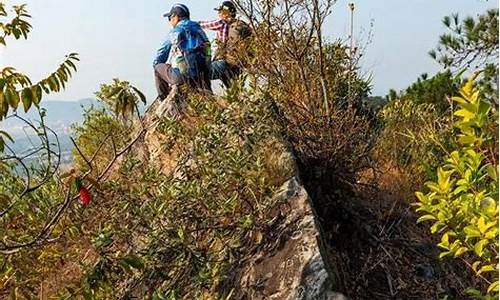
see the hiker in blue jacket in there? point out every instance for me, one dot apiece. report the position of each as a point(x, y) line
point(184, 57)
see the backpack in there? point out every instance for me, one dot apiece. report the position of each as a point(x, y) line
point(238, 35)
point(195, 49)
point(238, 30)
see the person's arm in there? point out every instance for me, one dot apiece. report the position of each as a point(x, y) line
point(163, 52)
point(212, 25)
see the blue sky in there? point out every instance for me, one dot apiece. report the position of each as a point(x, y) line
point(118, 38)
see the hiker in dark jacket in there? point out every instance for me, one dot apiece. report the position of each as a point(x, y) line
point(230, 32)
point(184, 56)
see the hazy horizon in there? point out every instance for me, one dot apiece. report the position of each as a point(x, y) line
point(119, 38)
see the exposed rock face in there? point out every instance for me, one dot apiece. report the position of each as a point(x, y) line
point(290, 266)
point(150, 148)
point(295, 270)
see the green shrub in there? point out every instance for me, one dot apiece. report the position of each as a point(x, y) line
point(121, 98)
point(436, 90)
point(178, 226)
point(415, 137)
point(462, 203)
point(97, 133)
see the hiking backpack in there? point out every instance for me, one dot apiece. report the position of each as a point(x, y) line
point(195, 50)
point(238, 35)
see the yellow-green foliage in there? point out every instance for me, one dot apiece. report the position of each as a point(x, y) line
point(463, 203)
point(415, 136)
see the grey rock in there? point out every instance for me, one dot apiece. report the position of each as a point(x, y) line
point(294, 271)
point(173, 105)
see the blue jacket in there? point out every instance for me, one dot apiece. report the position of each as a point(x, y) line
point(186, 48)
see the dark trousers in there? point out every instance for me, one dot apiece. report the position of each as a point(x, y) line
point(166, 76)
point(226, 72)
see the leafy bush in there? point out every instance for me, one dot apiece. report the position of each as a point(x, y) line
point(436, 90)
point(97, 134)
point(417, 130)
point(32, 196)
point(180, 224)
point(315, 85)
point(462, 203)
point(415, 137)
point(121, 98)
point(16, 88)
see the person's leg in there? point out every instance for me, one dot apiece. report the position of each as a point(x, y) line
point(217, 69)
point(166, 76)
point(231, 73)
point(222, 70)
point(162, 86)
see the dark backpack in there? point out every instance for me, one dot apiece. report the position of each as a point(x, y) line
point(238, 35)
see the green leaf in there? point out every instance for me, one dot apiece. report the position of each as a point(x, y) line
point(472, 231)
point(483, 226)
point(71, 64)
point(492, 234)
point(461, 251)
point(444, 179)
point(493, 287)
point(467, 139)
point(27, 98)
point(6, 135)
point(487, 268)
point(469, 107)
point(445, 243)
point(460, 189)
point(475, 293)
point(140, 94)
point(426, 218)
point(492, 172)
point(474, 97)
point(52, 84)
point(12, 98)
point(433, 187)
point(37, 94)
point(421, 197)
point(467, 115)
point(459, 100)
point(484, 108)
point(436, 227)
point(475, 265)
point(134, 261)
point(479, 247)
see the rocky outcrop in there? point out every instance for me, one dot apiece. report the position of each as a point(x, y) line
point(286, 266)
point(295, 270)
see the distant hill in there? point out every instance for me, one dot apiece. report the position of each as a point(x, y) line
point(60, 116)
